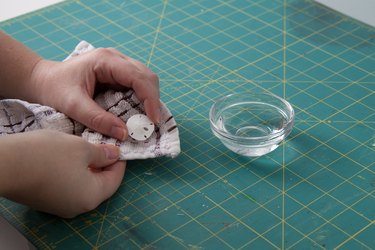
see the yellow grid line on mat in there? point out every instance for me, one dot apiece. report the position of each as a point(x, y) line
point(215, 78)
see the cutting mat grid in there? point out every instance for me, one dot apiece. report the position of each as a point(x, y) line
point(315, 192)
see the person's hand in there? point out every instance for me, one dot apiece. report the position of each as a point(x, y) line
point(58, 173)
point(69, 87)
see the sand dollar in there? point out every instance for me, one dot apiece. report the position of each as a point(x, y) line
point(140, 127)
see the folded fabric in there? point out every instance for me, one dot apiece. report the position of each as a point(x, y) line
point(163, 141)
point(17, 116)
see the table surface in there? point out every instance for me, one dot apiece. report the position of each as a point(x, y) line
point(14, 8)
point(316, 191)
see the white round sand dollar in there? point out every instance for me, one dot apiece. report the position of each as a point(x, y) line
point(140, 127)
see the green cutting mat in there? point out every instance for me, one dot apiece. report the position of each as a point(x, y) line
point(314, 192)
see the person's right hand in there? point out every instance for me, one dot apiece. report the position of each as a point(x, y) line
point(58, 173)
point(69, 87)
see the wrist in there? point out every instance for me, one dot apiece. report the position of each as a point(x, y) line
point(39, 76)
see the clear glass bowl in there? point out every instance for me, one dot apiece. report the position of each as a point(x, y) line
point(251, 124)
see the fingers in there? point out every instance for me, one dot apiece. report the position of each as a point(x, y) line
point(103, 155)
point(148, 93)
point(114, 68)
point(150, 110)
point(111, 178)
point(107, 169)
point(93, 116)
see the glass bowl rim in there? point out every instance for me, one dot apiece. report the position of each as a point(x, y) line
point(260, 139)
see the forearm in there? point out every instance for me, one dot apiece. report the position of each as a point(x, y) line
point(17, 65)
point(9, 163)
point(18, 154)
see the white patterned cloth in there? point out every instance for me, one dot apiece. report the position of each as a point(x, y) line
point(17, 116)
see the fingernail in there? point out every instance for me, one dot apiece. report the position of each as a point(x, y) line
point(119, 133)
point(157, 119)
point(112, 153)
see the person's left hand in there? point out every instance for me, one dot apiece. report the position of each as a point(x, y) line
point(58, 173)
point(69, 87)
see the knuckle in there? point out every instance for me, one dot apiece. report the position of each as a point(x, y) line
point(103, 52)
point(97, 121)
point(83, 147)
point(70, 104)
point(154, 78)
point(112, 50)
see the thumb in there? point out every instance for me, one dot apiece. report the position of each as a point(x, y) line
point(95, 117)
point(102, 155)
point(111, 178)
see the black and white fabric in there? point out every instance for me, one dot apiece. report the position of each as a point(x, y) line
point(17, 116)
